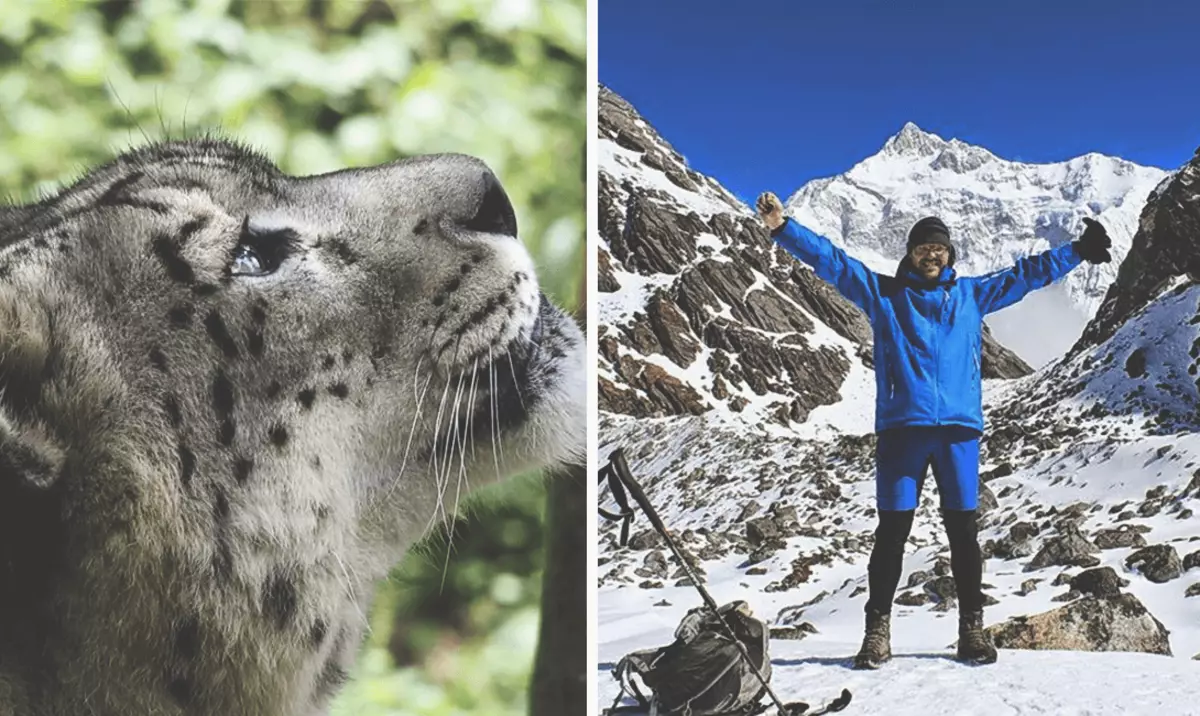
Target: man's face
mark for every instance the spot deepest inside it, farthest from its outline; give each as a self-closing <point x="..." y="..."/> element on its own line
<point x="930" y="259"/>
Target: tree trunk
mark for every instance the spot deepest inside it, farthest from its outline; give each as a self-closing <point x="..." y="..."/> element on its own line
<point x="560" y="676"/>
<point x="561" y="672"/>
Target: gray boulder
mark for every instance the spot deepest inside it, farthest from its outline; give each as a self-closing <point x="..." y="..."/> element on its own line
<point x="1120" y="623"/>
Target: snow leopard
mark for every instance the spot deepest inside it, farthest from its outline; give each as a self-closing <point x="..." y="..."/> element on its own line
<point x="232" y="399"/>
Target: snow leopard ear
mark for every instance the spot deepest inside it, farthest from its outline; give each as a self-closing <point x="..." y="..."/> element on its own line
<point x="28" y="457"/>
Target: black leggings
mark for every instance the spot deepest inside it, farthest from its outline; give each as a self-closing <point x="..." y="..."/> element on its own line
<point x="887" y="558"/>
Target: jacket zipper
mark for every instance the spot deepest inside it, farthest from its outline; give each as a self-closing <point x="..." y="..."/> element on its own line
<point x="937" y="360"/>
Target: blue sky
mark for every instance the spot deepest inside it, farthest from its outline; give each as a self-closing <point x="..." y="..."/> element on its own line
<point x="767" y="94"/>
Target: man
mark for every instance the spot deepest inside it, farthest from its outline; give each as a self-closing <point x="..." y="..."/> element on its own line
<point x="927" y="323"/>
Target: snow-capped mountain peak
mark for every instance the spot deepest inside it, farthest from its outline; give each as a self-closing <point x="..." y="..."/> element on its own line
<point x="913" y="145"/>
<point x="911" y="140"/>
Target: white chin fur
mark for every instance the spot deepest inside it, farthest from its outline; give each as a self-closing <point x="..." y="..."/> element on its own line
<point x="555" y="433"/>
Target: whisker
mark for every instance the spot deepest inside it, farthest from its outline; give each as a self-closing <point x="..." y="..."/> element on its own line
<point x="471" y="406"/>
<point x="411" y="433"/>
<point x="446" y="564"/>
<point x="516" y="384"/>
<point x="433" y="453"/>
<point x="353" y="593"/>
<point x="495" y="412"/>
<point x="417" y="374"/>
<point x="454" y="438"/>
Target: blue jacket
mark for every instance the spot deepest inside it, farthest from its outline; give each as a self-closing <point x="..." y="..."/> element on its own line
<point x="928" y="334"/>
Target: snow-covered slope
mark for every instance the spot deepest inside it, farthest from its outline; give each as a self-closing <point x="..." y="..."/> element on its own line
<point x="1099" y="450"/>
<point x="1098" y="473"/>
<point x="997" y="211"/>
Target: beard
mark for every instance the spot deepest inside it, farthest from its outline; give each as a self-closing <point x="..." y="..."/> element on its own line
<point x="930" y="267"/>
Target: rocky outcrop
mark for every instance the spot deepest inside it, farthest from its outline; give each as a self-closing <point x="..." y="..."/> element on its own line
<point x="1192" y="561"/>
<point x="912" y="599"/>
<point x="1069" y="548"/>
<point x="1166" y="245"/>
<point x="606" y="282"/>
<point x="1000" y="362"/>
<point x="1121" y="623"/>
<point x="793" y="633"/>
<point x="1119" y="537"/>
<point x="1017" y="543"/>
<point x="1159" y="563"/>
<point x="655" y="391"/>
<point x="1099" y="582"/>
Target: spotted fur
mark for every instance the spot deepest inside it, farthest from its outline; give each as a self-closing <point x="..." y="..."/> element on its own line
<point x="203" y="473"/>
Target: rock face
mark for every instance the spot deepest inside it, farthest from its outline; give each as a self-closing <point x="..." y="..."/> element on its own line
<point x="699" y="310"/>
<point x="1121" y="623"/>
<point x="792" y="633"/>
<point x="1166" y="245"/>
<point x="1017" y="543"/>
<point x="942" y="589"/>
<point x="1138" y="359"/>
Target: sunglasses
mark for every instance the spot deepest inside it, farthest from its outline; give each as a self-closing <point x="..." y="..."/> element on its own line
<point x="930" y="250"/>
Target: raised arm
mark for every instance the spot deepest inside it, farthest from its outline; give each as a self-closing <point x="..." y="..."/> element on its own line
<point x="847" y="274"/>
<point x="1008" y="286"/>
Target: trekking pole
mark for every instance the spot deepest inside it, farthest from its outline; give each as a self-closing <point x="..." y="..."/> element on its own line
<point x="618" y="464"/>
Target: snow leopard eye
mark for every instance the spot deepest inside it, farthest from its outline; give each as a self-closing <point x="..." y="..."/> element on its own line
<point x="261" y="252"/>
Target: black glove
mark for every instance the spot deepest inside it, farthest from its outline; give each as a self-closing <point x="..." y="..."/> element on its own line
<point x="1094" y="244"/>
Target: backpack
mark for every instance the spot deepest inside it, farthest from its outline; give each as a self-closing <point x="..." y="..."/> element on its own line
<point x="701" y="673"/>
<point x="719" y="663"/>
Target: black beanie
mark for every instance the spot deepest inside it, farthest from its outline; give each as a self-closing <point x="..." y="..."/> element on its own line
<point x="930" y="230"/>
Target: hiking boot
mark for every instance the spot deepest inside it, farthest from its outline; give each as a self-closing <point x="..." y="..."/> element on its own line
<point x="974" y="647"/>
<point x="877" y="642"/>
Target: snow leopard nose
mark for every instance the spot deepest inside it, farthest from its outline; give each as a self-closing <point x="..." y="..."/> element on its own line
<point x="493" y="211"/>
<point x="465" y="194"/>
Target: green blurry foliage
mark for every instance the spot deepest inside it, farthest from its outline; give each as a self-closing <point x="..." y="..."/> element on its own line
<point x="320" y="85"/>
<point x="316" y="85"/>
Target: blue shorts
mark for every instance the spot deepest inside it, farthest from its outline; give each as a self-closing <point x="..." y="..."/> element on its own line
<point x="904" y="455"/>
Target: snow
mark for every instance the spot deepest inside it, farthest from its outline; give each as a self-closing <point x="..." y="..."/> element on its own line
<point x="710" y="241"/>
<point x="921" y="679"/>
<point x="815" y="669"/>
<point x="853" y="415"/>
<point x="619" y="161"/>
<point x="618" y="307"/>
<point x="1108" y="474"/>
